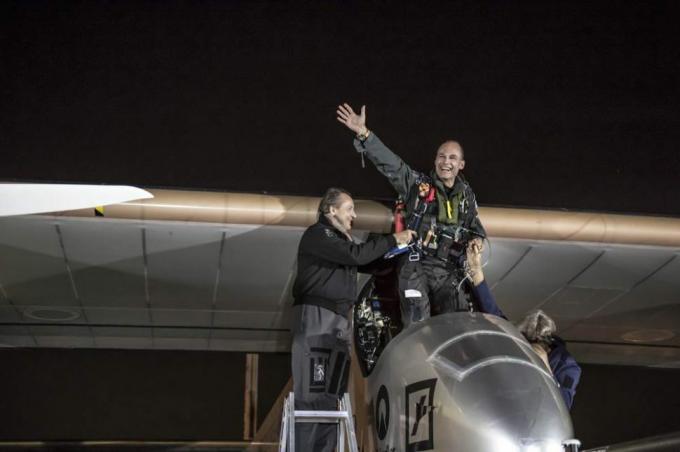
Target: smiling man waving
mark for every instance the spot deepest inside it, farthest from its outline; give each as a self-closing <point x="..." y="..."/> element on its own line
<point x="446" y="209"/>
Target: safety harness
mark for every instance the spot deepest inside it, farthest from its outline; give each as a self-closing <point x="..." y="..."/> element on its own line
<point x="439" y="235"/>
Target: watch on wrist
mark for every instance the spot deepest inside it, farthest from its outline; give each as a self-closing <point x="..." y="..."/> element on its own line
<point x="363" y="136"/>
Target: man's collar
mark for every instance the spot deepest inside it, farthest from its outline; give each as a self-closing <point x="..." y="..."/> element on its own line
<point x="323" y="220"/>
<point x="327" y="223"/>
<point x="458" y="184"/>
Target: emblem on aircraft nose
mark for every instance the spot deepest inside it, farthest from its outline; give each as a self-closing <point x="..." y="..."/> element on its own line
<point x="382" y="412"/>
<point x="419" y="428"/>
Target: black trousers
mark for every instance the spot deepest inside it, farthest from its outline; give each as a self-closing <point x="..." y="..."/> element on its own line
<point x="427" y="287"/>
<point x="320" y="364"/>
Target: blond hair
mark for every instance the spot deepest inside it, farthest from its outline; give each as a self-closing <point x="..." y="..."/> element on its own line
<point x="538" y="327"/>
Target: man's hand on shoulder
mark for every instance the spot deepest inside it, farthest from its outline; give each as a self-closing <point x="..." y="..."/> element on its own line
<point x="404" y="237"/>
<point x="355" y="123"/>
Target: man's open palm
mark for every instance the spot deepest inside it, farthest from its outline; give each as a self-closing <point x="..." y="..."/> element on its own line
<point x="354" y="122"/>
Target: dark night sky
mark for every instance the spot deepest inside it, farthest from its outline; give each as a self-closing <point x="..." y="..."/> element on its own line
<point x="558" y="104"/>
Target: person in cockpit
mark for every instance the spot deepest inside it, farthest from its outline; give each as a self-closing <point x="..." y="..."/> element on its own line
<point x="440" y="206"/>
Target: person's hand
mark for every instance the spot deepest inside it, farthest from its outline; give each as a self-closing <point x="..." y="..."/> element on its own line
<point x="474" y="256"/>
<point x="474" y="261"/>
<point x="479" y="242"/>
<point x="404" y="237"/>
<point x="355" y="123"/>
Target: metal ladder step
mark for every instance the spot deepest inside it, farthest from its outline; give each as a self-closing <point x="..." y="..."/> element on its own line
<point x="342" y="417"/>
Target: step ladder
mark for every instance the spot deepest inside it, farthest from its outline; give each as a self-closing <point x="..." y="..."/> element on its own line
<point x="342" y="417"/>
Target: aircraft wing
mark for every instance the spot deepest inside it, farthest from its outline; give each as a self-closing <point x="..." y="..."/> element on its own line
<point x="25" y="199"/>
<point x="206" y="270"/>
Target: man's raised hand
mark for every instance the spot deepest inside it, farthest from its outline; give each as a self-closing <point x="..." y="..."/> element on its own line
<point x="355" y="123"/>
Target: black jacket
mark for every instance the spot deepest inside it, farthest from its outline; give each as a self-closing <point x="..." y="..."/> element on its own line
<point x="327" y="266"/>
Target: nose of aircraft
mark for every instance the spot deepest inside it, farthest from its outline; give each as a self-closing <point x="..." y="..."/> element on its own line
<point x="471" y="383"/>
<point x="499" y="392"/>
<point x="507" y="406"/>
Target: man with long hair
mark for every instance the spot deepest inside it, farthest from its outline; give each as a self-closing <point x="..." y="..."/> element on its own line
<point x="324" y="291"/>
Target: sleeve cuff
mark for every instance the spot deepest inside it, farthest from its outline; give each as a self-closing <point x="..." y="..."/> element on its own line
<point x="361" y="145"/>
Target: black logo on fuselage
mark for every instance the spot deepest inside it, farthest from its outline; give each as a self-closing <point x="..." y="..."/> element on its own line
<point x="419" y="428"/>
<point x="382" y="412"/>
<point x="421" y="409"/>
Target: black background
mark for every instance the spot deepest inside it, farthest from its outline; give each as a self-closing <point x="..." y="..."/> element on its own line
<point x="558" y="104"/>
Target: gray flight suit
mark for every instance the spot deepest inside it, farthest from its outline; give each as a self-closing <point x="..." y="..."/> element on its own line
<point x="427" y="286"/>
